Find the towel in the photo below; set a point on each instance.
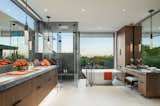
(17, 73)
(107, 75)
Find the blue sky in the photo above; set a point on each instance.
(156, 41)
(96, 46)
(99, 46)
(9, 8)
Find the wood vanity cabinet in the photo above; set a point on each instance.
(153, 85)
(142, 83)
(30, 93)
(148, 83)
(16, 95)
(42, 85)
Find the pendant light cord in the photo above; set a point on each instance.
(151, 27)
(151, 15)
(151, 30)
(48, 17)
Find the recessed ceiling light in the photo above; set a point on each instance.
(100, 28)
(124, 10)
(83, 10)
(159, 28)
(45, 10)
(63, 27)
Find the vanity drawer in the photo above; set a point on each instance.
(13, 96)
(51, 81)
(38, 89)
(142, 87)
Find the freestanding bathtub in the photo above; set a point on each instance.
(100, 76)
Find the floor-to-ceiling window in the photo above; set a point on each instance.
(12, 10)
(97, 50)
(12, 20)
(151, 55)
(58, 42)
(63, 41)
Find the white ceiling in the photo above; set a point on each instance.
(6, 21)
(100, 15)
(155, 24)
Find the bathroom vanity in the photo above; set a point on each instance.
(148, 81)
(28, 89)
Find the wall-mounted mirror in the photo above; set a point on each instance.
(150, 56)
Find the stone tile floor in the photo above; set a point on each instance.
(69, 95)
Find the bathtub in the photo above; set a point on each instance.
(100, 76)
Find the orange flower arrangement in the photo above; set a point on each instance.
(45, 62)
(4, 62)
(20, 63)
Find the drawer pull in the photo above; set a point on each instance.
(17, 102)
(39, 87)
(49, 79)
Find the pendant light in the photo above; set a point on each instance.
(151, 32)
(12, 32)
(26, 29)
(48, 39)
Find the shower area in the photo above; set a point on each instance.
(58, 41)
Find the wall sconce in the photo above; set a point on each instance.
(131, 47)
(132, 52)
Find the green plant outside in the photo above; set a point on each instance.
(101, 62)
(15, 56)
(151, 57)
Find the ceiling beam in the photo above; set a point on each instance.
(22, 4)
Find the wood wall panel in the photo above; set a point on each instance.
(124, 37)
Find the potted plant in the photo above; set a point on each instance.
(4, 62)
(20, 65)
